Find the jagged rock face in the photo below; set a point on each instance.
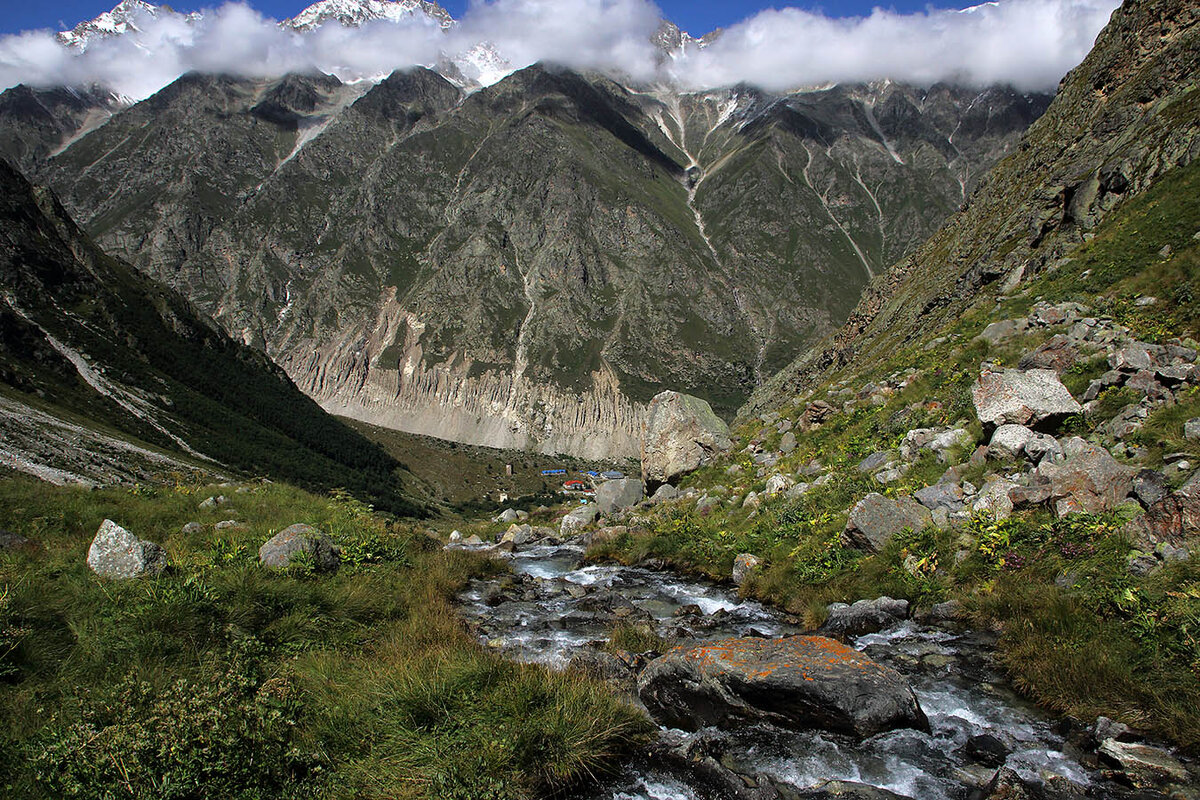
(109, 376)
(35, 123)
(1123, 118)
(528, 265)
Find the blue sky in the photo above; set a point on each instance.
(696, 16)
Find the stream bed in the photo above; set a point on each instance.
(554, 606)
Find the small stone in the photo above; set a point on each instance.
(192, 529)
(743, 565)
(986, 749)
(278, 551)
(788, 443)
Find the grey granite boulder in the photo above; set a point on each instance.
(680, 434)
(117, 553)
(875, 519)
(278, 551)
(618, 495)
(1011, 396)
(863, 617)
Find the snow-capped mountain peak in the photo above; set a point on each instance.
(123, 18)
(352, 13)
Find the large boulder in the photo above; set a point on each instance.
(117, 553)
(681, 433)
(278, 551)
(578, 518)
(1088, 481)
(863, 617)
(875, 519)
(619, 494)
(1013, 397)
(795, 682)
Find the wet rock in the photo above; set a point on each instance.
(833, 790)
(578, 518)
(117, 553)
(1008, 785)
(875, 519)
(1022, 398)
(986, 749)
(278, 551)
(1106, 728)
(1142, 765)
(941, 613)
(743, 565)
(604, 666)
(1058, 353)
(1008, 441)
(1089, 480)
(618, 495)
(795, 682)
(863, 617)
(680, 434)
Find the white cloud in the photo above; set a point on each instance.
(1030, 43)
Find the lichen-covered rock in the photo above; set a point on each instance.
(1058, 353)
(1088, 481)
(795, 682)
(1014, 397)
(776, 484)
(278, 551)
(1008, 441)
(680, 434)
(618, 494)
(948, 496)
(1172, 519)
(743, 565)
(863, 617)
(117, 553)
(875, 519)
(994, 499)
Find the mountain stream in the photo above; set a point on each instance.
(556, 605)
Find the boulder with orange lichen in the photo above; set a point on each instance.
(794, 682)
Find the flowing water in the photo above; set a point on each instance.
(557, 606)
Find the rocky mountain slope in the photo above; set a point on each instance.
(106, 375)
(1006, 432)
(526, 265)
(1121, 120)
